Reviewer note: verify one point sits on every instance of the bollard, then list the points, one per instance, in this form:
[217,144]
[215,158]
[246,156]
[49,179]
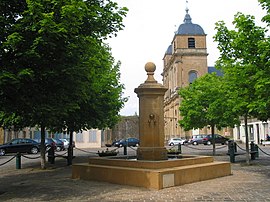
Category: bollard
[125,149]
[18,161]
[51,157]
[179,148]
[252,150]
[231,151]
[257,151]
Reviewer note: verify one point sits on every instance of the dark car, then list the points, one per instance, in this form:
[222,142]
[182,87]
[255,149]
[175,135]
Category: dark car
[112,144]
[197,139]
[23,145]
[59,144]
[115,143]
[208,140]
[49,143]
[127,142]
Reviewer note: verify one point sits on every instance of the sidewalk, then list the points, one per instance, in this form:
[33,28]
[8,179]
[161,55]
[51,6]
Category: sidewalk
[247,183]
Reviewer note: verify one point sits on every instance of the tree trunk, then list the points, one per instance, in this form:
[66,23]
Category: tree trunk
[70,148]
[247,140]
[42,148]
[213,139]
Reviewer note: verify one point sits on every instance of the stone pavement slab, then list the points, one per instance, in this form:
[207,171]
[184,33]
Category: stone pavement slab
[247,183]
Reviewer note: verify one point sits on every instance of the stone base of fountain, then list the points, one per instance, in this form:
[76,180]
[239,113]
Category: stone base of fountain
[151,174]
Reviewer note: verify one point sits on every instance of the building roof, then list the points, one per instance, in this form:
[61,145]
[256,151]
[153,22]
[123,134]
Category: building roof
[169,50]
[188,28]
[213,69]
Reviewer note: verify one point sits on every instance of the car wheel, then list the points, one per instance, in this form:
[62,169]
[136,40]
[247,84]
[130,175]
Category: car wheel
[208,143]
[120,145]
[58,148]
[171,144]
[2,152]
[34,150]
[48,148]
[137,145]
[226,142]
[195,143]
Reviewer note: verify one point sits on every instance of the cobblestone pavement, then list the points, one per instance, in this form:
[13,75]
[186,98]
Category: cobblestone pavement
[247,183]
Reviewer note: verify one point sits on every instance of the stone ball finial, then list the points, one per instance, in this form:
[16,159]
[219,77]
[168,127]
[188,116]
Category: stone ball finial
[150,67]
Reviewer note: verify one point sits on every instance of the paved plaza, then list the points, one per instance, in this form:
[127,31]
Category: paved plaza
[247,183]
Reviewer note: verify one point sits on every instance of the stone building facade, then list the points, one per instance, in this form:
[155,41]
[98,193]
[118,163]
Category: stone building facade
[184,61]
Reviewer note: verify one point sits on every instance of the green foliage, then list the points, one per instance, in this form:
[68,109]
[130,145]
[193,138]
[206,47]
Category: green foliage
[206,102]
[53,61]
[54,70]
[243,64]
[265,5]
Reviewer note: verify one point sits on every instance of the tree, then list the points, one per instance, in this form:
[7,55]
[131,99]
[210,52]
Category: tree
[241,63]
[206,102]
[261,106]
[44,47]
[104,96]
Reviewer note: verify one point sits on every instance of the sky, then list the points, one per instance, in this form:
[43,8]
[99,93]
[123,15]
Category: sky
[149,30]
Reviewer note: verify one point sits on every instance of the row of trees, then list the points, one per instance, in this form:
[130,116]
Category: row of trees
[244,89]
[55,70]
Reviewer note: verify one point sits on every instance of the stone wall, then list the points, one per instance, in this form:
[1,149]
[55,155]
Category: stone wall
[127,127]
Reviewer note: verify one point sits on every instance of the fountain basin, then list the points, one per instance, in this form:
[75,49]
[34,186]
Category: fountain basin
[151,174]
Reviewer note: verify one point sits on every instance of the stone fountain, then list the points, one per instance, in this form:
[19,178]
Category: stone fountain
[152,168]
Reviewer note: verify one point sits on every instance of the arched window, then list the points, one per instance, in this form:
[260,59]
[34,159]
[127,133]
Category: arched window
[192,76]
[191,42]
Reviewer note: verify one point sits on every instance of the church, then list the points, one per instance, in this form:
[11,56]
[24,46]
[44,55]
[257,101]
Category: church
[183,62]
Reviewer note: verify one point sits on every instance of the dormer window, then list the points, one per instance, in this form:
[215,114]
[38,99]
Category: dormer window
[191,43]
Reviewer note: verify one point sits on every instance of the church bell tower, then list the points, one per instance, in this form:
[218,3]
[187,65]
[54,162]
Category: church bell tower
[184,61]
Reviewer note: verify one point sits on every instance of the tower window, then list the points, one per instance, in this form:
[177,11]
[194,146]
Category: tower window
[191,43]
[192,76]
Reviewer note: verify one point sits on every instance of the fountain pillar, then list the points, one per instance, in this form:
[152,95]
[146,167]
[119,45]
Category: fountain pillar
[151,117]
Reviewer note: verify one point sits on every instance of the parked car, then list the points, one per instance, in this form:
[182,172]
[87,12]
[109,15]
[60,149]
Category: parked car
[197,139]
[176,141]
[49,143]
[208,140]
[115,143]
[112,144]
[66,143]
[59,144]
[134,142]
[73,142]
[23,145]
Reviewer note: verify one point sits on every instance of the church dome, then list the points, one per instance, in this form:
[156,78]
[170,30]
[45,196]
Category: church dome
[169,50]
[188,28]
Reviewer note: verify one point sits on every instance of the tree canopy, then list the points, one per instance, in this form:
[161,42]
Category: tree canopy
[207,102]
[244,62]
[55,64]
